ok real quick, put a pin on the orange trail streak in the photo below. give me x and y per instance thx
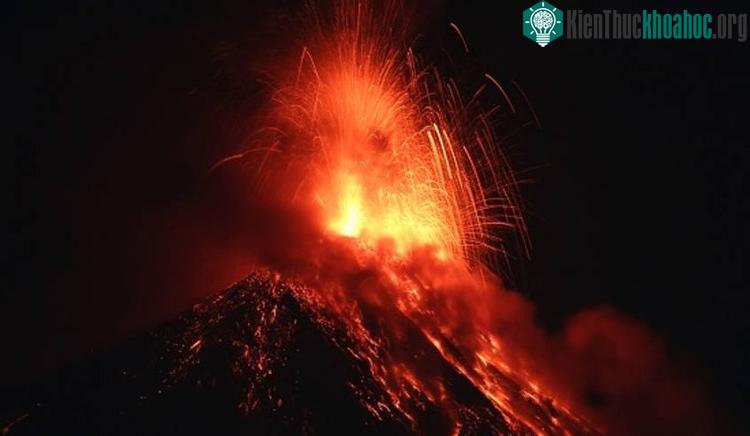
(387, 150)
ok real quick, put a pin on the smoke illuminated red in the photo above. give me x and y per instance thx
(392, 156)
(409, 199)
(386, 148)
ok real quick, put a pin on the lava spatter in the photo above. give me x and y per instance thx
(263, 328)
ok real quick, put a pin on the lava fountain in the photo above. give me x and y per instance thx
(387, 148)
(412, 199)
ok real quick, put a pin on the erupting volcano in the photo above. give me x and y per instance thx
(410, 199)
(386, 215)
(380, 147)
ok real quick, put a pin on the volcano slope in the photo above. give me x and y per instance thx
(260, 358)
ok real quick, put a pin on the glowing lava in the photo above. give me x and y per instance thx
(390, 153)
(387, 148)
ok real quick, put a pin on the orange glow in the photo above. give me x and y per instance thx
(349, 219)
(390, 148)
(391, 151)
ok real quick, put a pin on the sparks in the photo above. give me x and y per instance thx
(387, 149)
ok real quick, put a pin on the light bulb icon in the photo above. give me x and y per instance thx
(543, 22)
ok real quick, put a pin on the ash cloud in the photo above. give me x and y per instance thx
(605, 366)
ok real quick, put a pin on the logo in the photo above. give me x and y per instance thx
(542, 23)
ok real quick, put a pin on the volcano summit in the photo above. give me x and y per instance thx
(261, 358)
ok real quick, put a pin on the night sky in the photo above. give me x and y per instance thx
(119, 108)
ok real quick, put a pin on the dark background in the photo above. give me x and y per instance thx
(117, 110)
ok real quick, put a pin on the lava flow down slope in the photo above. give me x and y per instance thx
(269, 357)
(383, 213)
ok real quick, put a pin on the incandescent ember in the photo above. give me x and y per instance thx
(265, 357)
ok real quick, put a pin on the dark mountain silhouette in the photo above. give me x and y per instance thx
(253, 360)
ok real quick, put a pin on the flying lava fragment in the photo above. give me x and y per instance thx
(412, 199)
(376, 304)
